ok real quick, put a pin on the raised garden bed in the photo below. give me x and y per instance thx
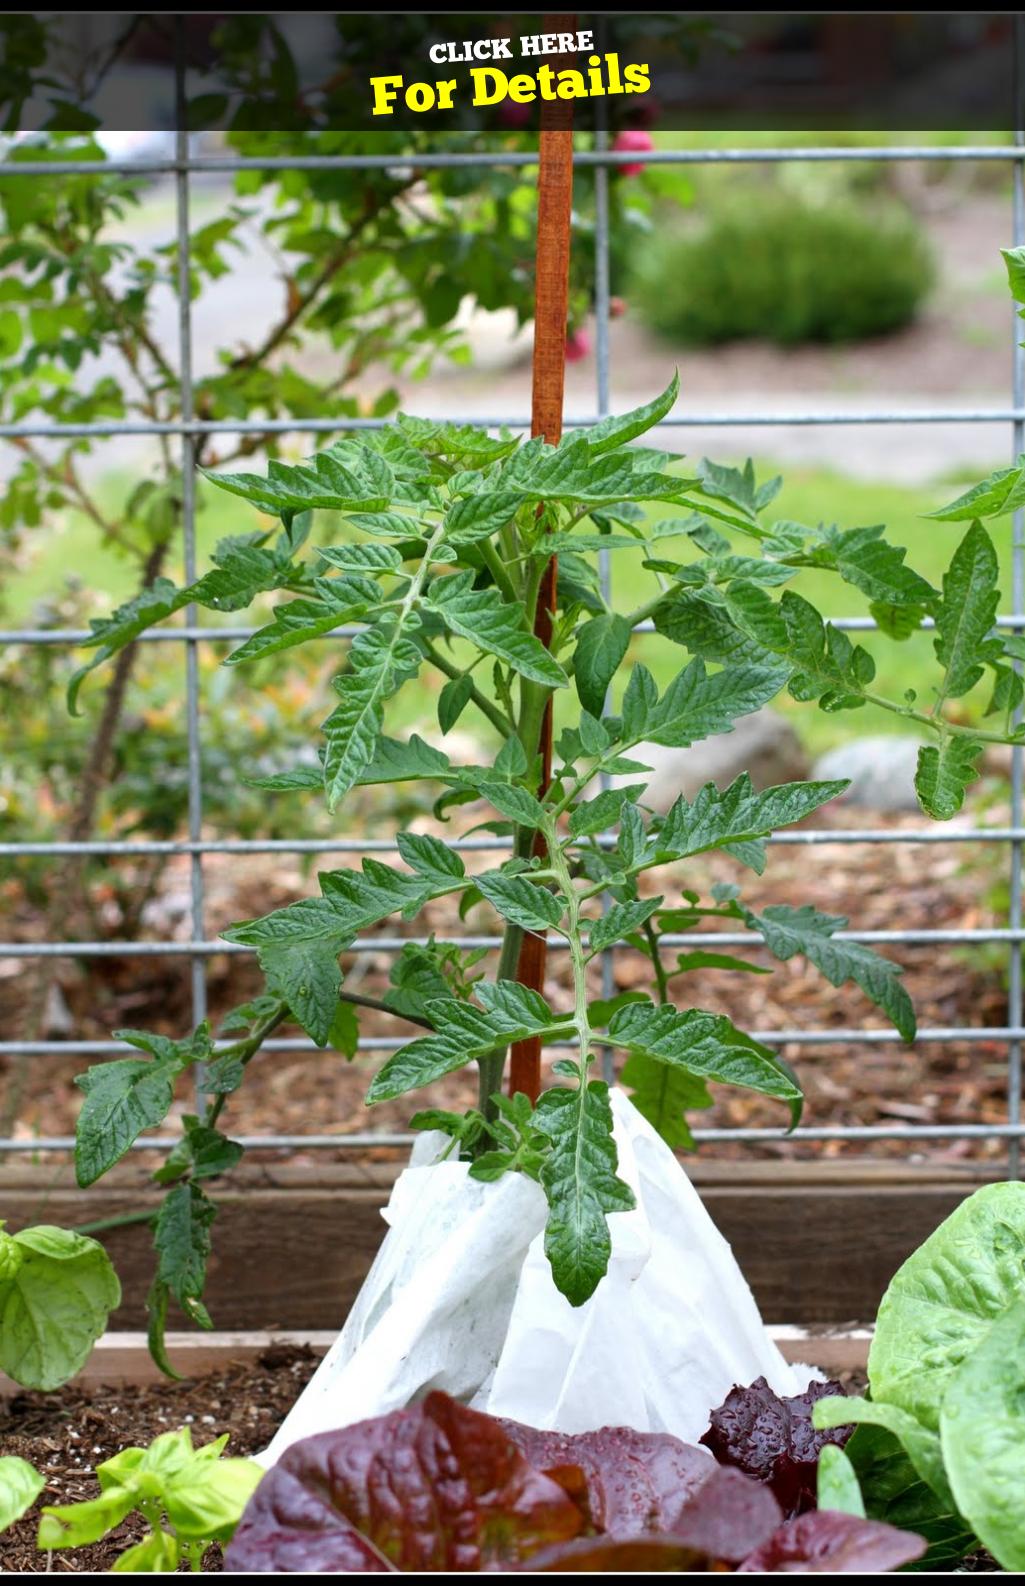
(818, 1241)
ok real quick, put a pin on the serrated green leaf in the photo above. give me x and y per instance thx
(244, 571)
(453, 700)
(709, 631)
(57, 1292)
(466, 442)
(619, 920)
(464, 1032)
(479, 516)
(380, 661)
(203, 1152)
(343, 1035)
(342, 600)
(122, 1098)
(358, 558)
(686, 963)
(698, 704)
(391, 526)
(719, 819)
(580, 1182)
(298, 946)
(514, 802)
(1002, 492)
(1008, 691)
(945, 772)
(363, 483)
(523, 902)
(664, 1094)
(429, 857)
(827, 666)
(870, 563)
(181, 1239)
(601, 646)
(598, 814)
(300, 778)
(511, 759)
(707, 1046)
(787, 931)
(967, 612)
(499, 627)
(621, 428)
(397, 761)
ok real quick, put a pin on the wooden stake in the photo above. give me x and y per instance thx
(551, 296)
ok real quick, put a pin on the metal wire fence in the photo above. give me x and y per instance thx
(199, 948)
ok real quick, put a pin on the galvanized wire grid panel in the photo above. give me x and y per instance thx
(198, 948)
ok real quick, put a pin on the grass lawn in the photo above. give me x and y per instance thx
(809, 495)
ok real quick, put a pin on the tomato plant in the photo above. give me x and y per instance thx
(437, 549)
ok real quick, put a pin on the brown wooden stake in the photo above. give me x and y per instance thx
(551, 295)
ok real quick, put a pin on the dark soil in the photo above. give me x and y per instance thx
(67, 1434)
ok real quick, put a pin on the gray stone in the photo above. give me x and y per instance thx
(881, 771)
(763, 744)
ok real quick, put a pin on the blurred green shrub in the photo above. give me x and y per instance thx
(774, 266)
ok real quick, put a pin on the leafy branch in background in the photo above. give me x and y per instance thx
(435, 547)
(371, 265)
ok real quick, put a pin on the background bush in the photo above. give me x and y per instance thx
(774, 266)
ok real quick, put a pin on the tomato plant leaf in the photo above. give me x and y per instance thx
(707, 1047)
(580, 1182)
(463, 1032)
(945, 772)
(967, 612)
(498, 626)
(786, 931)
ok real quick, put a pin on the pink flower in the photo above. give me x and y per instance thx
(633, 138)
(578, 345)
(617, 307)
(513, 114)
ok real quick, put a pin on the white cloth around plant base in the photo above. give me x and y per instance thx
(460, 1297)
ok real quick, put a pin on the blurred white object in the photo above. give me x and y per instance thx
(461, 1298)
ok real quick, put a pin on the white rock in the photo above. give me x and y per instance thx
(881, 771)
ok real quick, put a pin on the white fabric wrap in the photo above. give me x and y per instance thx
(461, 1297)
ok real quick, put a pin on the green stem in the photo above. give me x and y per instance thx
(104, 1223)
(574, 937)
(382, 1007)
(494, 566)
(491, 1067)
(642, 613)
(656, 961)
(244, 1050)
